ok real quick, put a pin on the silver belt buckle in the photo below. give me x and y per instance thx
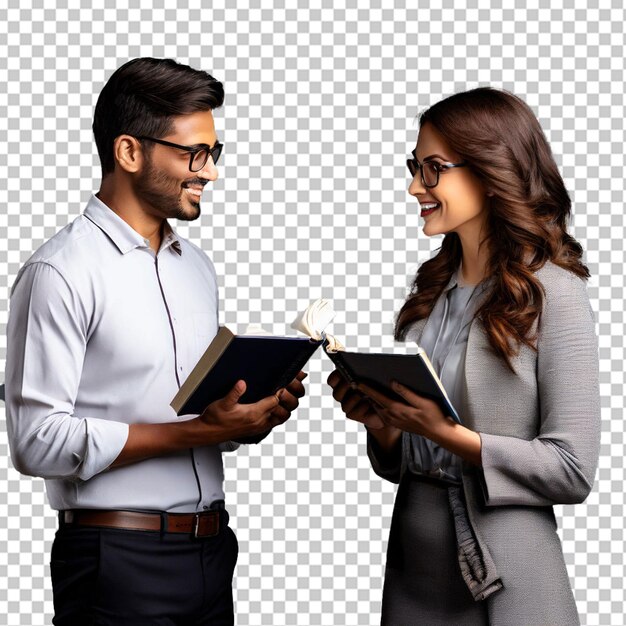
(214, 525)
(196, 524)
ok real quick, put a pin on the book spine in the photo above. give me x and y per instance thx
(342, 368)
(295, 367)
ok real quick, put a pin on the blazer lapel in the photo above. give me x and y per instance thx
(477, 342)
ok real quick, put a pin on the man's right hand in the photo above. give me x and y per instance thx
(227, 419)
(223, 420)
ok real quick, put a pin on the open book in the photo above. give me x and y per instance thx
(265, 362)
(378, 370)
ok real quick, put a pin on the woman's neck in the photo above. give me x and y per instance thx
(473, 263)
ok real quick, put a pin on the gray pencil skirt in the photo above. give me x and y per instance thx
(423, 583)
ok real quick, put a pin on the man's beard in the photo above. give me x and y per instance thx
(164, 194)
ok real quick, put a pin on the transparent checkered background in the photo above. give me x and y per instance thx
(318, 120)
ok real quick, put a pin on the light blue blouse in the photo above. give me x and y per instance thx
(444, 340)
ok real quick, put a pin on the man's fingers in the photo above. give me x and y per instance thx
(232, 397)
(267, 405)
(296, 388)
(279, 415)
(301, 375)
(289, 401)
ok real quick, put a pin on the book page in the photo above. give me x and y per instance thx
(314, 319)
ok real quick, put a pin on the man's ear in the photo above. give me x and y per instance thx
(128, 153)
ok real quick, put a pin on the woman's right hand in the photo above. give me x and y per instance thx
(360, 409)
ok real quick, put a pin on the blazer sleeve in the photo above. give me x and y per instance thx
(558, 466)
(386, 464)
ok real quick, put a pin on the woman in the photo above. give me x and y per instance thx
(503, 313)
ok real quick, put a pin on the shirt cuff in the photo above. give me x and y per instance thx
(228, 446)
(386, 464)
(105, 440)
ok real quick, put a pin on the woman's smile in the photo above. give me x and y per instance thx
(428, 208)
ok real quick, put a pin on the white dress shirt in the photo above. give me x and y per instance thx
(102, 331)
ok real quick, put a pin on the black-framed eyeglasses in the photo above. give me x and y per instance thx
(198, 154)
(430, 170)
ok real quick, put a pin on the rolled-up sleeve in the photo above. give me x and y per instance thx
(46, 340)
(558, 466)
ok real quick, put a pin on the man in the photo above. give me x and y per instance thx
(107, 319)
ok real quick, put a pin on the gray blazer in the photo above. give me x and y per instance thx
(540, 433)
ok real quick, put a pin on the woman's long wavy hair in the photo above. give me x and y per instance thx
(501, 140)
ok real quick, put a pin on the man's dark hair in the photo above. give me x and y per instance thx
(143, 96)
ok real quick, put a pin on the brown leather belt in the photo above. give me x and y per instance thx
(205, 524)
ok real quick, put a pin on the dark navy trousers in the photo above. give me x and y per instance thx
(111, 577)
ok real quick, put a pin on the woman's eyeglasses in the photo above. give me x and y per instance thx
(429, 170)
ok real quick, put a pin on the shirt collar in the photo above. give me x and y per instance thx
(122, 234)
(170, 239)
(456, 280)
(453, 282)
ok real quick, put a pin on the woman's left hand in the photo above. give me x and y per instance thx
(417, 414)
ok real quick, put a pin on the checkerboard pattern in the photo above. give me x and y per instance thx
(319, 117)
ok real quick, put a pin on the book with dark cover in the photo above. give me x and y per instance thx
(377, 370)
(266, 363)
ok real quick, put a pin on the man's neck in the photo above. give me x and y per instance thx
(125, 205)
